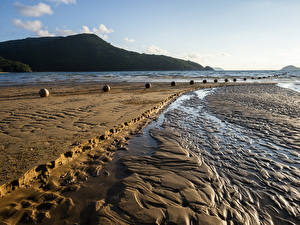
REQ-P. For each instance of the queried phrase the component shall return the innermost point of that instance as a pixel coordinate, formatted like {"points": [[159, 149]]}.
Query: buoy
{"points": [[234, 79], [204, 81], [106, 88], [192, 82], [226, 80], [173, 83], [147, 85], [245, 78], [44, 92], [216, 80]]}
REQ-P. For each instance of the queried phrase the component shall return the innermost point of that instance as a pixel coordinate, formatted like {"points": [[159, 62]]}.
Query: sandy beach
{"points": [[42, 134], [38, 130], [73, 157]]}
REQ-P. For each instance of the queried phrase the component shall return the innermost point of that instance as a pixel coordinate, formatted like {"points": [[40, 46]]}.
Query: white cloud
{"points": [[34, 25], [65, 32], [129, 40], [104, 30], [33, 11], [45, 33], [215, 59], [203, 58], [63, 1], [101, 31], [85, 29], [156, 50]]}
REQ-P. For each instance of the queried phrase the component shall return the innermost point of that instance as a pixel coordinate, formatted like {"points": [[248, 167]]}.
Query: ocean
{"points": [[289, 79]]}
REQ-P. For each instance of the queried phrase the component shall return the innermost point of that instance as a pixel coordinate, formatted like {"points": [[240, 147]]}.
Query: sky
{"points": [[231, 34]]}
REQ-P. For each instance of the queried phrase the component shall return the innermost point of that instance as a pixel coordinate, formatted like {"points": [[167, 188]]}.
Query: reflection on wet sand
{"points": [[230, 159]]}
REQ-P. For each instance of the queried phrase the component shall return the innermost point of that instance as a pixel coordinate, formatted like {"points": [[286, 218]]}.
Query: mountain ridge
{"points": [[86, 52], [290, 68]]}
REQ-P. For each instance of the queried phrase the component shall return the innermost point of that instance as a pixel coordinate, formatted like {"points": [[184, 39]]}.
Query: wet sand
{"points": [[190, 176], [101, 179]]}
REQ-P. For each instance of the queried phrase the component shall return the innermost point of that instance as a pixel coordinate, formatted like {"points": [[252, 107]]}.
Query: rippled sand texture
{"points": [[264, 141], [230, 159], [36, 130]]}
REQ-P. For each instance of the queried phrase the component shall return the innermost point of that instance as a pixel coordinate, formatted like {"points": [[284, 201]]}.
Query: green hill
{"points": [[86, 52], [13, 66]]}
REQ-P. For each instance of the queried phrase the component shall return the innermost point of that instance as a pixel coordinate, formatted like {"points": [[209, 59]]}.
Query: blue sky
{"points": [[232, 34]]}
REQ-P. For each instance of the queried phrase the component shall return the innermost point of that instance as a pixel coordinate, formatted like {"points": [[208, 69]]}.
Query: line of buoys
{"points": [[106, 88], [148, 85], [44, 93]]}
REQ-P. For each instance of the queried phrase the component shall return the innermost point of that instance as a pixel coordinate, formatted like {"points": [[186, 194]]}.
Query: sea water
{"points": [[289, 79]]}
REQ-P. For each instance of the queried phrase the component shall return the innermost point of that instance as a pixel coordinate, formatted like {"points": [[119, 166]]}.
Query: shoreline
{"points": [[46, 176]]}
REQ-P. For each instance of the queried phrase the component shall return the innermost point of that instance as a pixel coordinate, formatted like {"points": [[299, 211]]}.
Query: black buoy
{"points": [[44, 92], [173, 83], [252, 78], [226, 80], [245, 78], [234, 79], [216, 80], [106, 88], [204, 81], [147, 85], [192, 82], [259, 78]]}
